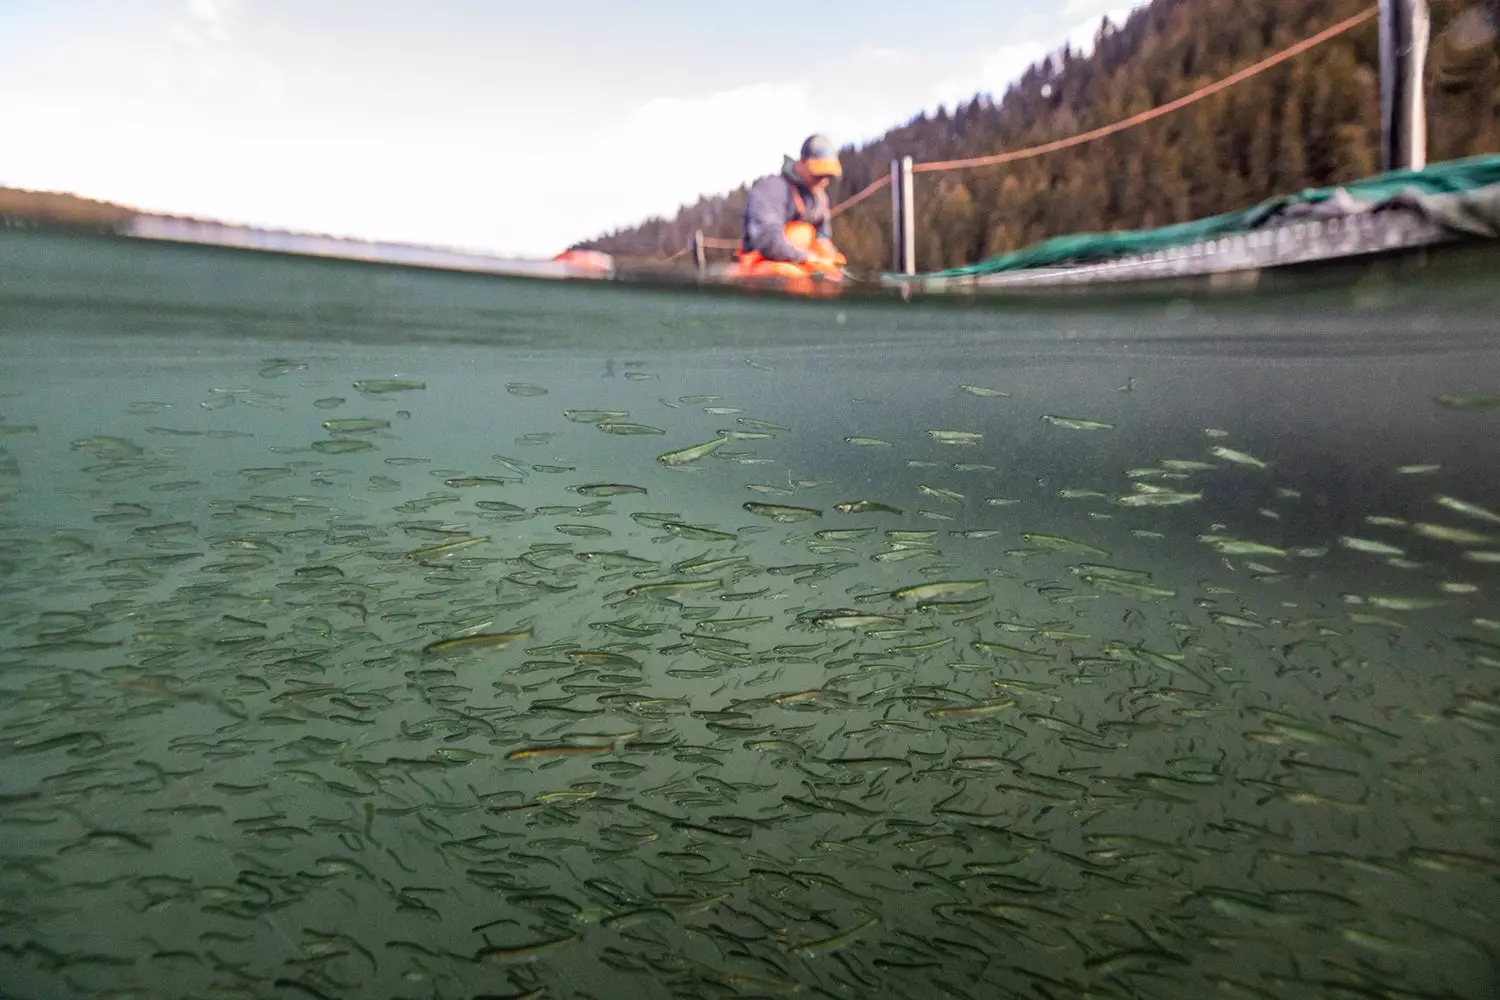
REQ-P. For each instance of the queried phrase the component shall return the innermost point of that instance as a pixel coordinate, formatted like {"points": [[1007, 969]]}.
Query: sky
{"points": [[499, 126]]}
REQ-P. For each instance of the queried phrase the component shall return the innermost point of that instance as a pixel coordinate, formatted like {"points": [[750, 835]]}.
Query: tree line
{"points": [[1313, 121]]}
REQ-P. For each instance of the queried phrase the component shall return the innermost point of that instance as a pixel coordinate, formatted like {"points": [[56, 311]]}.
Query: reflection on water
{"points": [[1061, 662]]}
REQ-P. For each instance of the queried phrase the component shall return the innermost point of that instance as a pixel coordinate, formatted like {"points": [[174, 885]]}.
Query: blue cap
{"points": [[821, 156]]}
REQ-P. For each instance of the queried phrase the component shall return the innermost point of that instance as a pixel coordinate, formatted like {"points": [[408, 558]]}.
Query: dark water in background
{"points": [[227, 767]]}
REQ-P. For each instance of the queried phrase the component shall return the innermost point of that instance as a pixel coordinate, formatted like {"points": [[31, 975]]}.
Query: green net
{"points": [[1452, 177]]}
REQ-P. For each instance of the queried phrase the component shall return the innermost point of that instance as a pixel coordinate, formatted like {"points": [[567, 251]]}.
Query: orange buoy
{"points": [[824, 262], [588, 260], [800, 235]]}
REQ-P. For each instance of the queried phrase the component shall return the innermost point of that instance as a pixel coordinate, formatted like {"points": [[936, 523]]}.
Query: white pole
{"points": [[1420, 36], [1405, 31], [896, 215], [908, 220]]}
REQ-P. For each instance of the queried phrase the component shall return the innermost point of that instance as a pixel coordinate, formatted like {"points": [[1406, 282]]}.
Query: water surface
{"points": [[1166, 665]]}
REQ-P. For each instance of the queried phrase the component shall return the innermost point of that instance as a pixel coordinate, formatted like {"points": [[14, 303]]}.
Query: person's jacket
{"points": [[775, 201]]}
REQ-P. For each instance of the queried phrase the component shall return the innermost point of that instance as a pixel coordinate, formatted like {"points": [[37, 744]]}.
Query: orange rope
{"points": [[1145, 116], [1131, 122], [868, 190]]}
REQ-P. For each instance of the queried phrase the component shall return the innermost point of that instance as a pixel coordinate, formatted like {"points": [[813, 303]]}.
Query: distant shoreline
{"points": [[21, 209]]}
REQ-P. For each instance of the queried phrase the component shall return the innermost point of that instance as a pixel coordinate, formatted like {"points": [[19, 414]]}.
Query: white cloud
{"points": [[198, 122], [1093, 9], [994, 72], [212, 16], [1007, 64], [1081, 38], [213, 58], [991, 73], [671, 150], [884, 55]]}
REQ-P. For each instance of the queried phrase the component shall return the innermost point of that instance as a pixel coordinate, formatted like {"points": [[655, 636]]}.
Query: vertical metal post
{"points": [[1405, 30], [700, 252], [896, 215], [908, 220]]}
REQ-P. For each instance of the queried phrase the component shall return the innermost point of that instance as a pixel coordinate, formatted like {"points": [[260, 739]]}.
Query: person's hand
{"points": [[825, 254]]}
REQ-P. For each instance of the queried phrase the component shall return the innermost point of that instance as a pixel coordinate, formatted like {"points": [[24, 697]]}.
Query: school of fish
{"points": [[355, 722]]}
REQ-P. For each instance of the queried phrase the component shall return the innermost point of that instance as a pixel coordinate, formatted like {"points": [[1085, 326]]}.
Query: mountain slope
{"points": [[1313, 121]]}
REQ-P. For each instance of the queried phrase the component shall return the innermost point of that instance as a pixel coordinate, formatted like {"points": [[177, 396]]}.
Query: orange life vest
{"points": [[823, 257]]}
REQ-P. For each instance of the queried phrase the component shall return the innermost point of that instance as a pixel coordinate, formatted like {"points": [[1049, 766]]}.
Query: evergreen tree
{"points": [[1312, 121], [1291, 158]]}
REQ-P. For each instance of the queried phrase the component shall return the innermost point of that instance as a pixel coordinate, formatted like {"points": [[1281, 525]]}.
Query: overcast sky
{"points": [[492, 125]]}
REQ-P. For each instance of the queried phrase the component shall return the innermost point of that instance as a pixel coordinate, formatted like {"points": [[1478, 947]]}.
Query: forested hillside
{"points": [[19, 208], [1313, 121]]}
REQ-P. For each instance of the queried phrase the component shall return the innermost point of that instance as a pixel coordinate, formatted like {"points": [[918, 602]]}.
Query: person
{"points": [[799, 194]]}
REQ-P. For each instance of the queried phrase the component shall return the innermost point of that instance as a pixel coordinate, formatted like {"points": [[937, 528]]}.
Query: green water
{"points": [[1208, 706]]}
